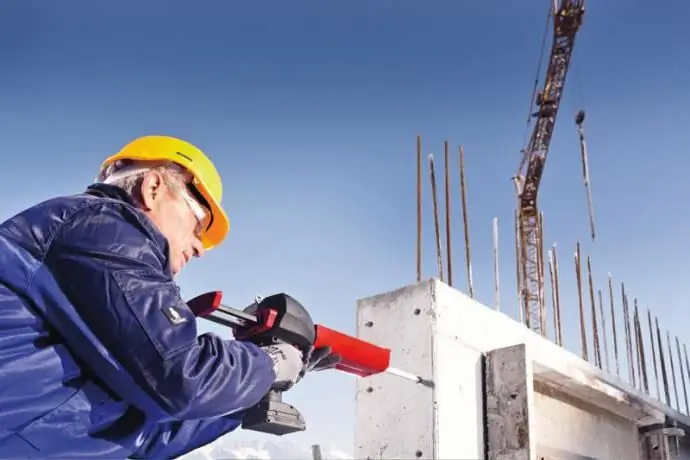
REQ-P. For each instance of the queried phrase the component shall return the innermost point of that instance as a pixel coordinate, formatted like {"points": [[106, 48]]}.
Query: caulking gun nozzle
{"points": [[409, 376]]}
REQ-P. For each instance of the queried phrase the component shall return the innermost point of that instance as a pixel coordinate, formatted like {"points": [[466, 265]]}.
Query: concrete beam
{"points": [[439, 333]]}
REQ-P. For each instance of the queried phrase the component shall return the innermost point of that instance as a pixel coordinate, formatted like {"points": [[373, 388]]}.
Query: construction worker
{"points": [[99, 355]]}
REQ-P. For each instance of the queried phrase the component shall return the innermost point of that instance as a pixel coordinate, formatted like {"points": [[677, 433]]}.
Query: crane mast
{"points": [[567, 19]]}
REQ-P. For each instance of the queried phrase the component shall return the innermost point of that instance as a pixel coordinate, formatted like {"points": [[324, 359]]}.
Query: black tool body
{"points": [[278, 318]]}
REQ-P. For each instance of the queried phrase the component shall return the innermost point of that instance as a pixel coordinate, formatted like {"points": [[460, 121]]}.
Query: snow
{"points": [[231, 449]]}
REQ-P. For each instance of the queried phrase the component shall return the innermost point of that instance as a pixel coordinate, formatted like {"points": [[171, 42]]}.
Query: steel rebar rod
{"points": [[595, 329], [419, 208], [437, 229], [517, 267], [497, 288], [613, 327], [628, 341], [603, 330], [449, 251], [683, 374], [552, 284], [543, 329], [656, 370], [687, 364], [583, 333], [463, 194], [662, 362], [640, 345], [558, 295], [636, 342], [673, 369]]}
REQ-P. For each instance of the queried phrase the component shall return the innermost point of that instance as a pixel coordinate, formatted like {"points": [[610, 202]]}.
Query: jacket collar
{"points": [[109, 191], [117, 193]]}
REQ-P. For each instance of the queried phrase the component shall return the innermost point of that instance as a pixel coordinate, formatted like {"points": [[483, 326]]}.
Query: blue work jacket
{"points": [[99, 355]]}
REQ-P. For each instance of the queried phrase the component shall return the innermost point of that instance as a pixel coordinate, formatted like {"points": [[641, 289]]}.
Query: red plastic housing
{"points": [[205, 304], [358, 357]]}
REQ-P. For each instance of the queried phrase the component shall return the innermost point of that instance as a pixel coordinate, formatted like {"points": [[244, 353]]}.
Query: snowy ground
{"points": [[228, 448]]}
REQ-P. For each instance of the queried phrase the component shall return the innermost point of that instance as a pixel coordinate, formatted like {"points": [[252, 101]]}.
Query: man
{"points": [[99, 355]]}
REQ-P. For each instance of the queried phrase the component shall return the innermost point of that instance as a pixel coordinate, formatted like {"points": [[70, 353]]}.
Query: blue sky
{"points": [[310, 111]]}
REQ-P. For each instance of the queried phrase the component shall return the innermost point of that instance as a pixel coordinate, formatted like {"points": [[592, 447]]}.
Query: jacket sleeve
{"points": [[111, 265], [177, 438]]}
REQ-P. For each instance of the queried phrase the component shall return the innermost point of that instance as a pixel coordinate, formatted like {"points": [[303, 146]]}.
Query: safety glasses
{"points": [[202, 216]]}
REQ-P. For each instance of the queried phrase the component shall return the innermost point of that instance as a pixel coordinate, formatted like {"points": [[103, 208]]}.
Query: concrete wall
{"points": [[400, 419], [435, 331], [571, 429]]}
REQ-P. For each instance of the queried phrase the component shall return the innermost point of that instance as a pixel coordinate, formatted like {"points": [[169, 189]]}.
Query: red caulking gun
{"points": [[281, 319]]}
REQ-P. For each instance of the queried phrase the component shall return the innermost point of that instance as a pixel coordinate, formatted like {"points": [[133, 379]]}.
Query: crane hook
{"points": [[579, 117]]}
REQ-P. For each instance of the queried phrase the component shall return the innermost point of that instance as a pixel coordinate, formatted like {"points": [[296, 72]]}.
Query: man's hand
{"points": [[322, 359], [287, 364], [289, 367]]}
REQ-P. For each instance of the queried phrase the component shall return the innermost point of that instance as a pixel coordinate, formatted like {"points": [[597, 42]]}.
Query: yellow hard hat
{"points": [[206, 180]]}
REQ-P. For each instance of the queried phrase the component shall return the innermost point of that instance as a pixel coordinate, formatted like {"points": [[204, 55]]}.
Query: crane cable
{"points": [[578, 96], [540, 63]]}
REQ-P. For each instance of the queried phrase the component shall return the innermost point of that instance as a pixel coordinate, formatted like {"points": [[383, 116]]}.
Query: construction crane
{"points": [[567, 19]]}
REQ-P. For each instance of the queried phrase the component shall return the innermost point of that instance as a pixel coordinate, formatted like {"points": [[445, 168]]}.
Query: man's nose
{"points": [[197, 247]]}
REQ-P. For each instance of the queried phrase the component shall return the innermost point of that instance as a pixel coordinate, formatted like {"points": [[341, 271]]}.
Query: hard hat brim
{"points": [[220, 225]]}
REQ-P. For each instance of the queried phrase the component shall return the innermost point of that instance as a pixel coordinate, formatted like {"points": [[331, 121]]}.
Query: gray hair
{"points": [[129, 175]]}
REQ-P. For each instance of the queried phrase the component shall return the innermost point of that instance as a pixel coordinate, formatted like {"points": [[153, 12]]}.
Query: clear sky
{"points": [[310, 110]]}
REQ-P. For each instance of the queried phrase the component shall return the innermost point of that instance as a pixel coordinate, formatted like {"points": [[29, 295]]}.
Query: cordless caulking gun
{"points": [[281, 319]]}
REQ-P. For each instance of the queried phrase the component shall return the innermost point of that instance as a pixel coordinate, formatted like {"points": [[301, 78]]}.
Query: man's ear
{"points": [[151, 190]]}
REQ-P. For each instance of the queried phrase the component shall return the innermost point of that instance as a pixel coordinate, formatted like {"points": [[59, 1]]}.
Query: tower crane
{"points": [[567, 19]]}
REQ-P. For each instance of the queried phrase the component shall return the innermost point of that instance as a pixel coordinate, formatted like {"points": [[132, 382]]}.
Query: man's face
{"points": [[176, 214]]}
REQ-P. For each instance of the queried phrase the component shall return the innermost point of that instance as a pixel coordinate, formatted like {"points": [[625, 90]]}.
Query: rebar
{"points": [[603, 330], [497, 289], [656, 370], [595, 329], [449, 251], [558, 295], [636, 343], [583, 333], [439, 253], [419, 208], [540, 275], [629, 342], [524, 289], [662, 363], [552, 284], [613, 327], [687, 363], [640, 345], [673, 370], [468, 257], [628, 338], [683, 374], [517, 267]]}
